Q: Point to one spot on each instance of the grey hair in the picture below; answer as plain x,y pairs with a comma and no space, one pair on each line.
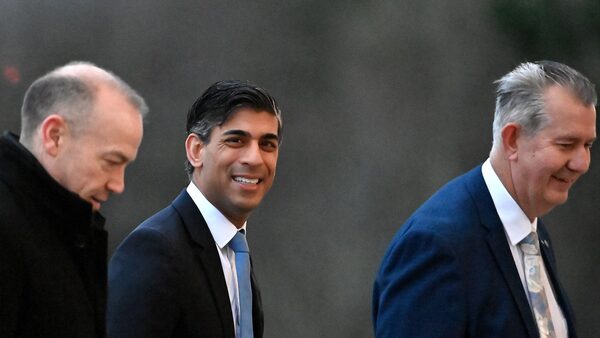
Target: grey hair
70,96
520,94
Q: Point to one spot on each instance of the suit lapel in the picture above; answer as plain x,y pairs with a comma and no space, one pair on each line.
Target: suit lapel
498,244
257,313
550,264
208,257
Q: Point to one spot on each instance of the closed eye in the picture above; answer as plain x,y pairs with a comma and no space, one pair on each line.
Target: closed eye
565,145
115,159
112,163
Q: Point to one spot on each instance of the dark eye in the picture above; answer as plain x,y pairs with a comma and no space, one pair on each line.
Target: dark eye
269,145
233,141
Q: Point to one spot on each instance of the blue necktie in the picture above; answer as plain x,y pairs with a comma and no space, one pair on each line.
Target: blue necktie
242,266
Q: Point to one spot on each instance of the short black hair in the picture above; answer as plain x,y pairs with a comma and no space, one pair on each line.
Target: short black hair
216,105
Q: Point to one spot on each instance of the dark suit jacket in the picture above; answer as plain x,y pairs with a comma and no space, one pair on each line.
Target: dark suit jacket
52,253
449,271
166,280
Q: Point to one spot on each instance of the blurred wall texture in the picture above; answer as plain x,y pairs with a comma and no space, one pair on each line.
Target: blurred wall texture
383,102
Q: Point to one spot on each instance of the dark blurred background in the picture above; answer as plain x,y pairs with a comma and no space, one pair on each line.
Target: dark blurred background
383,102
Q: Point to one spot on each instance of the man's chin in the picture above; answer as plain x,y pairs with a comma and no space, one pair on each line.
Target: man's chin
96,205
558,198
245,207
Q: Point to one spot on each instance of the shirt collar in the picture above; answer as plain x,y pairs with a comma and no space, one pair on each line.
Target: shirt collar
515,222
221,229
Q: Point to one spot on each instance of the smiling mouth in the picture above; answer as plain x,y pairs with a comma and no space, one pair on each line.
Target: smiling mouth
563,180
246,180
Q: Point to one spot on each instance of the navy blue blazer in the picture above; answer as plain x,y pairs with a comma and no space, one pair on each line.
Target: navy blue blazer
449,271
166,280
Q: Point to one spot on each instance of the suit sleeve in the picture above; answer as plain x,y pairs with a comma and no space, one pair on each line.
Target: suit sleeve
418,291
142,290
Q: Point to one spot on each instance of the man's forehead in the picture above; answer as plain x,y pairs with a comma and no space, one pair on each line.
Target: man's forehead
557,94
248,118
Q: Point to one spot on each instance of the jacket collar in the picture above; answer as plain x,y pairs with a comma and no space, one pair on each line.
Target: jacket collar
500,249
496,240
206,253
19,169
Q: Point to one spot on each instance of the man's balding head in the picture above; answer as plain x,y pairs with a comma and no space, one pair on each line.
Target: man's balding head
69,91
84,126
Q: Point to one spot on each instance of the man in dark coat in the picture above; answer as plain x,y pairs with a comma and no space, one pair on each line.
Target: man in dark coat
81,125
176,274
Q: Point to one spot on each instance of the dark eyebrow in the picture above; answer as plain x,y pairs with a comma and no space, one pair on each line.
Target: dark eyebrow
236,132
243,133
270,136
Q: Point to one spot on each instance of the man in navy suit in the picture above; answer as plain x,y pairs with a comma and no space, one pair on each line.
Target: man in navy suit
456,268
175,274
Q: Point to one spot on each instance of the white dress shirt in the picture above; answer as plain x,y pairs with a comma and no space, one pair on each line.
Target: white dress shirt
222,231
517,226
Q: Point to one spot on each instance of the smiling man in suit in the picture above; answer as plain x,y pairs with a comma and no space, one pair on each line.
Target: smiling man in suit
185,271
468,263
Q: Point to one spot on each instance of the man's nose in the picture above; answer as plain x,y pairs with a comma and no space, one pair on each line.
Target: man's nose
580,162
252,154
116,183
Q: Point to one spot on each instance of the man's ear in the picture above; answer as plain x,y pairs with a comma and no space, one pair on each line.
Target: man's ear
193,149
53,131
510,135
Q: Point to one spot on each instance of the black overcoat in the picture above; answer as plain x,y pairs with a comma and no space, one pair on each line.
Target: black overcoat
52,253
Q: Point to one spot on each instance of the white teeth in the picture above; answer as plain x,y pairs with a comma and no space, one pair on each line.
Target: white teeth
245,180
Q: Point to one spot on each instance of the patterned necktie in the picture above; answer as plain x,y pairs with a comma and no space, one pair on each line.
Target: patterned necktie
242,266
532,262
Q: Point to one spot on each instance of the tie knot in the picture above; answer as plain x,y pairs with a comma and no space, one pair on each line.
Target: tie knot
238,242
530,244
